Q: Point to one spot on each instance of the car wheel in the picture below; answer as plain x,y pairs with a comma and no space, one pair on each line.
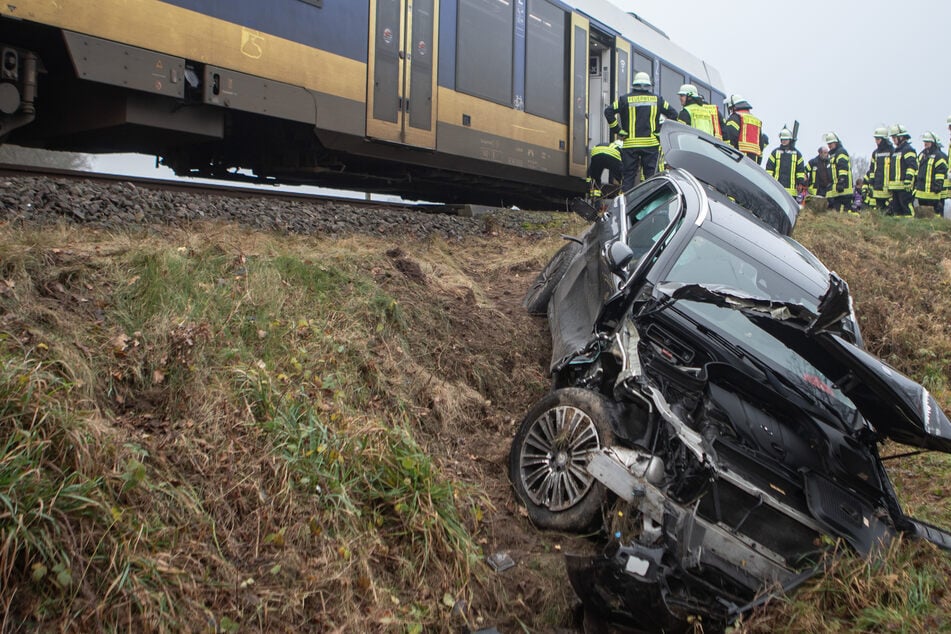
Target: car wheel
538,296
549,455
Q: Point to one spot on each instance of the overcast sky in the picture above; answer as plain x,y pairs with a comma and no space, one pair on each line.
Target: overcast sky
846,66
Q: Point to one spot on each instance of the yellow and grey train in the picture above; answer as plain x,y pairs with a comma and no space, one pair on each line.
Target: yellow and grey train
490,102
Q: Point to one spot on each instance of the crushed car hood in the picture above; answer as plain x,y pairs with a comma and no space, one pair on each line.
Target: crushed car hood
898,407
729,171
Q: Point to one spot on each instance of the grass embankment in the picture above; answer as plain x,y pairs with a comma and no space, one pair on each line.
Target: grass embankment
219,430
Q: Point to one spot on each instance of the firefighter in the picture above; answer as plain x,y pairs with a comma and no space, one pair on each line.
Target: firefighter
696,113
606,156
947,181
840,197
876,178
785,163
635,118
902,172
932,174
744,131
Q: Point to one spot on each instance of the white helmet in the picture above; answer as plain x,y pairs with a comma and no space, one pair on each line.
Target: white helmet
785,134
737,101
898,130
949,119
830,137
688,90
641,80
929,137
881,133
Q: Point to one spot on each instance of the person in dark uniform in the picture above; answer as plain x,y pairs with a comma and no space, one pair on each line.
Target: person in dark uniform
635,118
819,172
876,178
840,162
785,164
606,156
901,173
932,173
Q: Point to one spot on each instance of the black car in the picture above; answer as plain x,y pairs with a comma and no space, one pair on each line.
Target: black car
713,408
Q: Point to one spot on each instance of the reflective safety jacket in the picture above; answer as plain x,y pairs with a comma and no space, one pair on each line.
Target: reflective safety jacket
745,132
876,178
635,117
932,173
612,149
903,168
785,164
841,164
703,116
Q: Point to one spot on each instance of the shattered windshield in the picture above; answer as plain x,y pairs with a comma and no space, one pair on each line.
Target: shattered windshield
708,260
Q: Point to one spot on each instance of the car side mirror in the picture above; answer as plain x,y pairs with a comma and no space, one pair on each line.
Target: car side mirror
619,256
584,209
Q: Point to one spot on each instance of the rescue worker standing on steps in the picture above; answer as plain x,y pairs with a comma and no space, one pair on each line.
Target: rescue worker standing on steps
744,131
785,164
902,173
703,116
876,178
932,173
840,196
635,118
604,157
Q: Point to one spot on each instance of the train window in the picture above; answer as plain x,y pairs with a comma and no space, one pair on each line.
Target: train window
485,49
545,55
704,92
670,83
644,64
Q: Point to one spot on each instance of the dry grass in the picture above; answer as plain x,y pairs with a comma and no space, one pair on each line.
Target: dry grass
223,430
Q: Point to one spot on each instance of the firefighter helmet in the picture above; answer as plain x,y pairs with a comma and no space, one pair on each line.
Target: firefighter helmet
737,101
898,130
949,119
929,137
688,90
881,133
641,80
830,137
785,134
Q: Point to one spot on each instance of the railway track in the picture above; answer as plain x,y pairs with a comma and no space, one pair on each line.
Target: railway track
38,195
201,188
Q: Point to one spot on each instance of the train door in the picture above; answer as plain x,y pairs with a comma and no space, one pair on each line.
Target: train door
600,86
401,71
578,89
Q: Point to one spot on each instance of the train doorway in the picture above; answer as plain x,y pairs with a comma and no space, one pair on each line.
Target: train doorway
401,71
600,86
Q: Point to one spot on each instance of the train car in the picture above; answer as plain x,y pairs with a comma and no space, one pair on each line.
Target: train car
462,101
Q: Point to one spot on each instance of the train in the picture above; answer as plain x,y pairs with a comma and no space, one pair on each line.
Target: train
488,102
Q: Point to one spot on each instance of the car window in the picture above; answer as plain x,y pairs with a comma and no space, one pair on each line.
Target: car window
707,260
648,218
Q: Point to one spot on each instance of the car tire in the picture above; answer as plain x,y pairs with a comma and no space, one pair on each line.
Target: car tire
538,296
548,458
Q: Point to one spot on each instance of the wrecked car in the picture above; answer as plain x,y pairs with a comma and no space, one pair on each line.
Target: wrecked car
713,408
